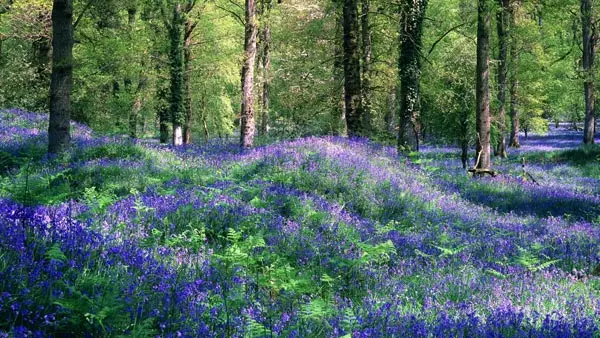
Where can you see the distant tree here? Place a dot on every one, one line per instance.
(247, 123)
(590, 48)
(59, 129)
(482, 117)
(352, 80)
(409, 67)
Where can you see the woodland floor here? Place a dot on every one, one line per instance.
(316, 237)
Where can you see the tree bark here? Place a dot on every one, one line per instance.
(177, 108)
(187, 55)
(339, 97)
(409, 69)
(266, 67)
(367, 64)
(482, 87)
(247, 123)
(352, 81)
(514, 87)
(59, 129)
(590, 48)
(163, 113)
(502, 24)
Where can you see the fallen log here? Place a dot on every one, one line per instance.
(483, 172)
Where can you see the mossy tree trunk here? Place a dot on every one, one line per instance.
(409, 67)
(352, 80)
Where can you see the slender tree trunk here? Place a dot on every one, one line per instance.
(590, 48)
(502, 24)
(352, 81)
(514, 87)
(247, 123)
(187, 55)
(390, 114)
(204, 116)
(367, 64)
(137, 101)
(177, 106)
(59, 129)
(483, 90)
(409, 69)
(339, 97)
(41, 56)
(266, 63)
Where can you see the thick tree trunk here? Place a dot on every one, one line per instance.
(177, 107)
(502, 23)
(187, 55)
(352, 81)
(247, 123)
(590, 48)
(483, 90)
(409, 68)
(59, 129)
(367, 64)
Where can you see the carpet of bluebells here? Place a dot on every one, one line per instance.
(316, 237)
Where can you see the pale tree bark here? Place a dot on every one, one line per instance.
(502, 24)
(590, 48)
(409, 69)
(59, 129)
(247, 123)
(352, 81)
(482, 121)
(367, 64)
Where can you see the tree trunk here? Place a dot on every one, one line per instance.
(409, 69)
(483, 90)
(177, 74)
(137, 101)
(247, 123)
(590, 48)
(163, 113)
(339, 97)
(352, 85)
(187, 55)
(502, 23)
(266, 59)
(367, 64)
(514, 87)
(59, 129)
(390, 113)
